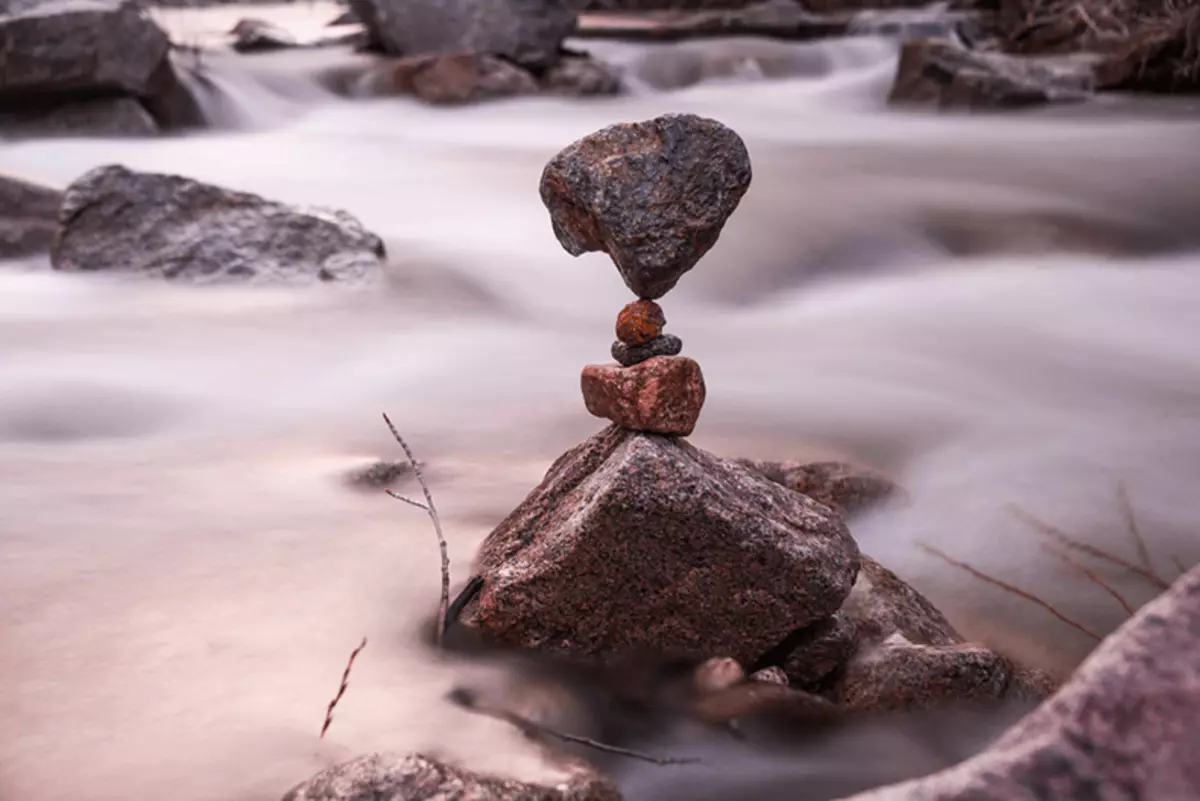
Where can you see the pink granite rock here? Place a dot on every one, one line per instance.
(662, 395)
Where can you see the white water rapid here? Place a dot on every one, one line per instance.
(996, 309)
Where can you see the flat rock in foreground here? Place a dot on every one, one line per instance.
(638, 543)
(1124, 726)
(113, 218)
(653, 195)
(413, 777)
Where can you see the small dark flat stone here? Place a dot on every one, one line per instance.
(629, 355)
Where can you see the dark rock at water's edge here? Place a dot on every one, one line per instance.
(415, 777)
(115, 219)
(28, 218)
(850, 489)
(260, 36)
(1124, 726)
(642, 544)
(938, 73)
(653, 195)
(101, 68)
(526, 32)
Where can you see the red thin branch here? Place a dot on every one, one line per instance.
(342, 689)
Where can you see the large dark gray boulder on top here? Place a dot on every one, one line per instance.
(528, 32)
(115, 219)
(58, 54)
(640, 544)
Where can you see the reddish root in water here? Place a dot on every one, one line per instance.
(341, 688)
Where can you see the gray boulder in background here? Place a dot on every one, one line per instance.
(28, 218)
(113, 218)
(527, 32)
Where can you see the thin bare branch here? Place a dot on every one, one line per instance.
(1060, 536)
(1008, 588)
(409, 501)
(431, 509)
(1090, 574)
(532, 728)
(1132, 524)
(342, 689)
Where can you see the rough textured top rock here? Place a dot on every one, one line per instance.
(1124, 726)
(114, 218)
(653, 195)
(637, 543)
(528, 32)
(396, 777)
(78, 47)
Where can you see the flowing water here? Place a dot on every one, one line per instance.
(998, 310)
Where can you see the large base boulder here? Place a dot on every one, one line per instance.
(115, 219)
(938, 73)
(99, 67)
(397, 777)
(641, 544)
(28, 218)
(526, 32)
(1124, 726)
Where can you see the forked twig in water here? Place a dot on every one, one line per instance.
(342, 689)
(431, 509)
(1090, 575)
(979, 574)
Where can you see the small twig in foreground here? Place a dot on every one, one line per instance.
(1091, 576)
(1047, 530)
(1008, 588)
(467, 701)
(429, 507)
(342, 689)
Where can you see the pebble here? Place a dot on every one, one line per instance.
(628, 356)
(640, 322)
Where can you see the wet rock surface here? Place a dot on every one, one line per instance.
(526, 32)
(938, 73)
(721, 561)
(850, 489)
(85, 67)
(113, 218)
(1124, 726)
(663, 395)
(414, 777)
(28, 218)
(449, 79)
(631, 355)
(640, 322)
(653, 195)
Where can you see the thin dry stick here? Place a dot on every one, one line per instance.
(1008, 588)
(1091, 575)
(1132, 524)
(342, 689)
(1045, 529)
(534, 728)
(429, 507)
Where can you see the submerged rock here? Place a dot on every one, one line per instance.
(941, 74)
(663, 395)
(641, 544)
(526, 32)
(90, 63)
(450, 79)
(1124, 726)
(848, 488)
(28, 218)
(113, 218)
(415, 777)
(653, 195)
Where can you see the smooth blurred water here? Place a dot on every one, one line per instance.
(997, 310)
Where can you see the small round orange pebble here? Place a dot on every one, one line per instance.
(640, 322)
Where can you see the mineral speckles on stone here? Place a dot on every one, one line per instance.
(640, 322)
(630, 355)
(660, 396)
(653, 195)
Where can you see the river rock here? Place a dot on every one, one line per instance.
(110, 118)
(818, 650)
(452, 79)
(79, 57)
(630, 355)
(415, 777)
(639, 544)
(527, 32)
(653, 195)
(849, 488)
(113, 218)
(581, 75)
(1124, 726)
(941, 74)
(661, 396)
(260, 36)
(640, 322)
(28, 218)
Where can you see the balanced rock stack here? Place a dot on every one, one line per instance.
(654, 196)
